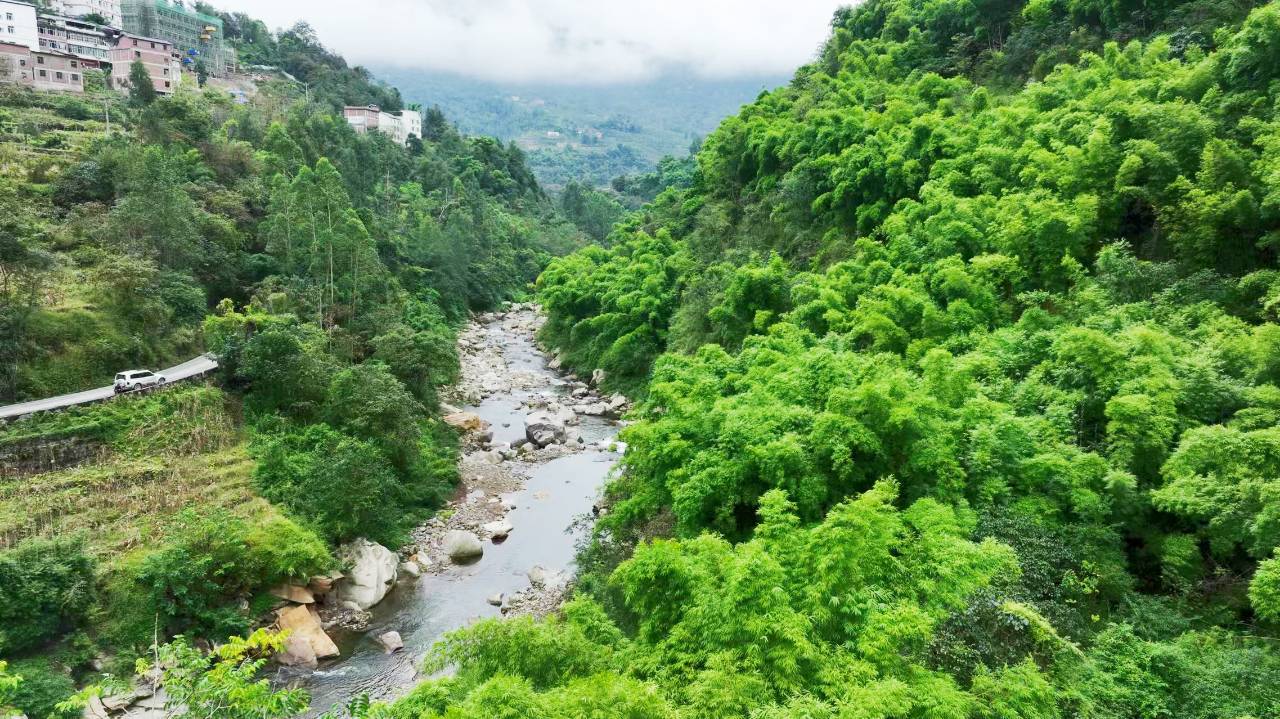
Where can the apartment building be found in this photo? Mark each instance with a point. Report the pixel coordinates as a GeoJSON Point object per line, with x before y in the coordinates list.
{"type": "Point", "coordinates": [57, 72]}
{"type": "Point", "coordinates": [370, 118]}
{"type": "Point", "coordinates": [195, 36]}
{"type": "Point", "coordinates": [18, 24]}
{"type": "Point", "coordinates": [15, 63]}
{"type": "Point", "coordinates": [108, 10]}
{"type": "Point", "coordinates": [86, 40]}
{"type": "Point", "coordinates": [159, 57]}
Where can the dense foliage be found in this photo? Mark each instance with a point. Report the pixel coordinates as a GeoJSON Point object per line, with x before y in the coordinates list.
{"type": "Point", "coordinates": [958, 364]}
{"type": "Point", "coordinates": [326, 269]}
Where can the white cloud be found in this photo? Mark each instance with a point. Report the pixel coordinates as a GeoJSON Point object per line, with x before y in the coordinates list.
{"type": "Point", "coordinates": [571, 41]}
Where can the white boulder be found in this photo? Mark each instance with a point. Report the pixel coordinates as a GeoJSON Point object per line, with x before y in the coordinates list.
{"type": "Point", "coordinates": [498, 529]}
{"type": "Point", "coordinates": [373, 570]}
{"type": "Point", "coordinates": [391, 641]}
{"type": "Point", "coordinates": [460, 545]}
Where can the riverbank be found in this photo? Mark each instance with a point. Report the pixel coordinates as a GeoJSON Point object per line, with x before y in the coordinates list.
{"type": "Point", "coordinates": [505, 543]}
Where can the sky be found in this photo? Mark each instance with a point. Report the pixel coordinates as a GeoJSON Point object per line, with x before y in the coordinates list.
{"type": "Point", "coordinates": [563, 41]}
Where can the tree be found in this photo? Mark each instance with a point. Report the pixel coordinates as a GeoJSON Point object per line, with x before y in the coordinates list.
{"type": "Point", "coordinates": [142, 91]}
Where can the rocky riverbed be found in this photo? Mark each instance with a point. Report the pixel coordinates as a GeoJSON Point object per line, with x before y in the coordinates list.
{"type": "Point", "coordinates": [537, 445]}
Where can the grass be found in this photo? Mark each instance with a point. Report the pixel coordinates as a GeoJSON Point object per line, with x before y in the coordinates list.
{"type": "Point", "coordinates": [124, 503]}
{"type": "Point", "coordinates": [163, 452]}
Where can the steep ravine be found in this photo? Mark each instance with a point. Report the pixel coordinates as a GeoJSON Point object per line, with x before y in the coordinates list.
{"type": "Point", "coordinates": [545, 494]}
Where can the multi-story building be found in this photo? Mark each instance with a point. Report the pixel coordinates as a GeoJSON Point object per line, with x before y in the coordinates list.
{"type": "Point", "coordinates": [86, 40]}
{"type": "Point", "coordinates": [57, 71]}
{"type": "Point", "coordinates": [157, 56]}
{"type": "Point", "coordinates": [108, 10]}
{"type": "Point", "coordinates": [196, 36]}
{"type": "Point", "coordinates": [18, 24]}
{"type": "Point", "coordinates": [15, 63]}
{"type": "Point", "coordinates": [399, 126]}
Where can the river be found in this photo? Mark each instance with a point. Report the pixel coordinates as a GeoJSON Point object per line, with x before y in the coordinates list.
{"type": "Point", "coordinates": [550, 505]}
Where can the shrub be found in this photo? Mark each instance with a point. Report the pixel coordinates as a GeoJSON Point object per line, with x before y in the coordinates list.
{"type": "Point", "coordinates": [209, 562]}
{"type": "Point", "coordinates": [46, 589]}
{"type": "Point", "coordinates": [44, 684]}
{"type": "Point", "coordinates": [343, 486]}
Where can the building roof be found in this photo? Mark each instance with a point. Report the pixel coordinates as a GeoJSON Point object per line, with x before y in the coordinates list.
{"type": "Point", "coordinates": [17, 2]}
{"type": "Point", "coordinates": [15, 45]}
{"type": "Point", "coordinates": [56, 53]}
{"type": "Point", "coordinates": [136, 36]}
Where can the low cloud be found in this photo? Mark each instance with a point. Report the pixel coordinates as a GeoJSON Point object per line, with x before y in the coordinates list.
{"type": "Point", "coordinates": [563, 41]}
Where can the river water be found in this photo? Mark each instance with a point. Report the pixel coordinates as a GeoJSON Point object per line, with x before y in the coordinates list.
{"type": "Point", "coordinates": [549, 516]}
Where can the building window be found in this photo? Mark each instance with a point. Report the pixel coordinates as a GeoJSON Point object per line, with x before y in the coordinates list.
{"type": "Point", "coordinates": [10, 29]}
{"type": "Point", "coordinates": [39, 60]}
{"type": "Point", "coordinates": [73, 64]}
{"type": "Point", "coordinates": [137, 54]}
{"type": "Point", "coordinates": [8, 16]}
{"type": "Point", "coordinates": [166, 72]}
{"type": "Point", "coordinates": [22, 62]}
{"type": "Point", "coordinates": [75, 77]}
{"type": "Point", "coordinates": [44, 73]}
{"type": "Point", "coordinates": [166, 83]}
{"type": "Point", "coordinates": [59, 76]}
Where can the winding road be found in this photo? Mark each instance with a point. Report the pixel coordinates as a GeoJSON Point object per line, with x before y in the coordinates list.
{"type": "Point", "coordinates": [191, 368]}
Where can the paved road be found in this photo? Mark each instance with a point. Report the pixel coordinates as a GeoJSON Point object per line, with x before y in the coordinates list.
{"type": "Point", "coordinates": [190, 368]}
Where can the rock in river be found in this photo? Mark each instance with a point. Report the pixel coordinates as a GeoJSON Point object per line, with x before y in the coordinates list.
{"type": "Point", "coordinates": [391, 641]}
{"type": "Point", "coordinates": [461, 545]}
{"type": "Point", "coordinates": [373, 571]}
{"type": "Point", "coordinates": [466, 421]}
{"type": "Point", "coordinates": [498, 529]}
{"type": "Point", "coordinates": [307, 640]}
{"type": "Point", "coordinates": [543, 428]}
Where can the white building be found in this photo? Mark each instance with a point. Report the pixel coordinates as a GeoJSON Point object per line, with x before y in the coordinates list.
{"type": "Point", "coordinates": [399, 126]}
{"type": "Point", "coordinates": [108, 9]}
{"type": "Point", "coordinates": [18, 24]}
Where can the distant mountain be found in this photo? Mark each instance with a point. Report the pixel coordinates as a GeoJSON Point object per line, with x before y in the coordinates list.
{"type": "Point", "coordinates": [590, 133]}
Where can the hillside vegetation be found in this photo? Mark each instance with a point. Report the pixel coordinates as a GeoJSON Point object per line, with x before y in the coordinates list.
{"type": "Point", "coordinates": [578, 131]}
{"type": "Point", "coordinates": [326, 270]}
{"type": "Point", "coordinates": [959, 365]}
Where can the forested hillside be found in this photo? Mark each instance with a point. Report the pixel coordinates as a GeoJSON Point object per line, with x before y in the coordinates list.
{"type": "Point", "coordinates": [578, 130]}
{"type": "Point", "coordinates": [326, 270]}
{"type": "Point", "coordinates": [959, 364]}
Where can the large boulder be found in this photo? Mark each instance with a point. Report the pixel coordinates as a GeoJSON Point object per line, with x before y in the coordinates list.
{"type": "Point", "coordinates": [465, 421]}
{"type": "Point", "coordinates": [460, 545]}
{"type": "Point", "coordinates": [293, 593]}
{"type": "Point", "coordinates": [542, 428]}
{"type": "Point", "coordinates": [306, 641]}
{"type": "Point", "coordinates": [373, 570]}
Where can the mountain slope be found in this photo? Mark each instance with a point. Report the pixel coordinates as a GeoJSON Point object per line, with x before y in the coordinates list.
{"type": "Point", "coordinates": [584, 132]}
{"type": "Point", "coordinates": [959, 364]}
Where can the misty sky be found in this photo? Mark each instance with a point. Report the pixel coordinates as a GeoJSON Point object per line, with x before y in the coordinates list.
{"type": "Point", "coordinates": [574, 41]}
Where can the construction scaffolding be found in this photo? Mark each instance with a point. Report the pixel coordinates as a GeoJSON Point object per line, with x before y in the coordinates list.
{"type": "Point", "coordinates": [195, 35]}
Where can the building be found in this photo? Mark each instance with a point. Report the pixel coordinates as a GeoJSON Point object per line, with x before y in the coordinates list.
{"type": "Point", "coordinates": [86, 40]}
{"type": "Point", "coordinates": [196, 37]}
{"type": "Point", "coordinates": [18, 24]}
{"type": "Point", "coordinates": [57, 72]}
{"type": "Point", "coordinates": [15, 64]}
{"type": "Point", "coordinates": [108, 10]}
{"type": "Point", "coordinates": [158, 56]}
{"type": "Point", "coordinates": [399, 126]}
